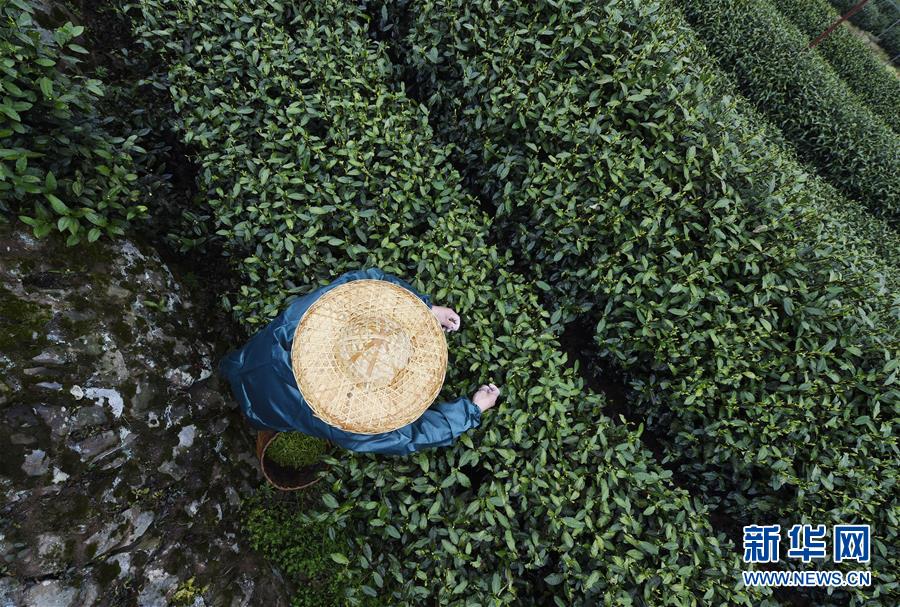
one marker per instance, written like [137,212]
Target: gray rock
[49,358]
[140,522]
[22,439]
[36,463]
[171,468]
[186,438]
[11,594]
[145,394]
[117,292]
[157,586]
[108,396]
[123,561]
[87,417]
[56,418]
[49,385]
[50,593]
[113,365]
[96,445]
[79,315]
[47,556]
[89,594]
[107,538]
[179,378]
[129,461]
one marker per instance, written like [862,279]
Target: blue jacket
[263,383]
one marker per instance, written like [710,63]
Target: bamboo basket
[283,477]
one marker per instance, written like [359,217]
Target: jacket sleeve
[439,426]
[376,274]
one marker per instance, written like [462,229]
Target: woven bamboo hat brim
[369,357]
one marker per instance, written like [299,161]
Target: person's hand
[486,397]
[448,318]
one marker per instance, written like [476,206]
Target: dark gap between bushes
[384,28]
[120,61]
[577,340]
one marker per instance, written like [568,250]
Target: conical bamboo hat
[369,357]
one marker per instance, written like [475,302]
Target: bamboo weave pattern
[369,357]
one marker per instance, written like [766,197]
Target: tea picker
[358,363]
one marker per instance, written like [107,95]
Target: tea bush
[137,102]
[60,168]
[873,243]
[800,92]
[875,21]
[853,60]
[315,162]
[274,526]
[758,330]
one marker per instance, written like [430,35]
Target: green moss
[70,460]
[120,329]
[11,462]
[187,591]
[191,281]
[76,328]
[69,551]
[79,506]
[295,449]
[106,572]
[19,321]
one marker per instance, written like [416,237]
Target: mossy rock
[295,450]
[21,322]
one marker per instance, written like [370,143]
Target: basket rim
[264,440]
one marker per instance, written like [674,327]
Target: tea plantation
[60,169]
[817,111]
[718,204]
[876,19]
[711,288]
[873,81]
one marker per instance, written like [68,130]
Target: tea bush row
[303,139]
[875,17]
[872,242]
[60,168]
[757,329]
[800,92]
[853,60]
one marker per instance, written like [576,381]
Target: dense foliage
[876,17]
[314,162]
[759,331]
[853,60]
[274,526]
[294,152]
[800,92]
[60,168]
